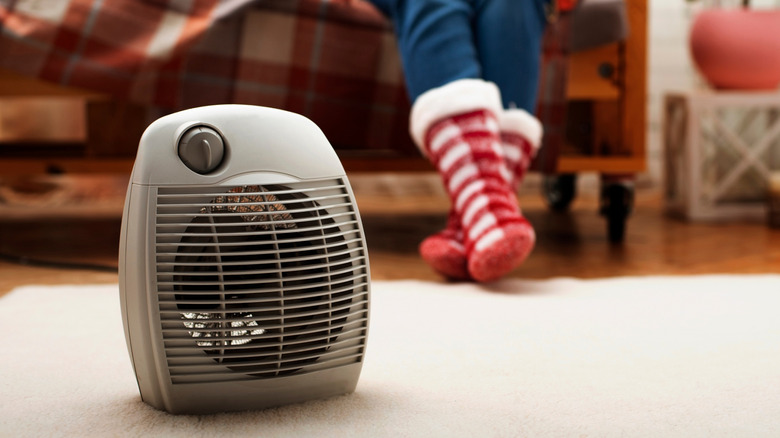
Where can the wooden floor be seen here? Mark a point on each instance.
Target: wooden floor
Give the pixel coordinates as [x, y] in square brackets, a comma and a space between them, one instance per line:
[572, 244]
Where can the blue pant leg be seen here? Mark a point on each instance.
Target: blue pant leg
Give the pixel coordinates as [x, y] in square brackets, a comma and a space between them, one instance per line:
[445, 40]
[508, 37]
[435, 39]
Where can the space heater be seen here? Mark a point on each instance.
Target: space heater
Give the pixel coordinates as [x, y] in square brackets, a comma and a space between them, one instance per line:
[243, 269]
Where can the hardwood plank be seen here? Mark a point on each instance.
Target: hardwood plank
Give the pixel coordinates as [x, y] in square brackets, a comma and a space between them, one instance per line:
[38, 166]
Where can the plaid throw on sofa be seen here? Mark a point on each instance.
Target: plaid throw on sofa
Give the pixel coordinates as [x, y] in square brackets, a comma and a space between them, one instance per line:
[335, 64]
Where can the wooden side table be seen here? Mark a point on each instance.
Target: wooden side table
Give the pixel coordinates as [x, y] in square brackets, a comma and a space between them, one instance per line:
[720, 148]
[606, 126]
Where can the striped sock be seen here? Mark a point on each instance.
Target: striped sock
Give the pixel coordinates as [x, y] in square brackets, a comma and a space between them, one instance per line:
[444, 251]
[520, 139]
[466, 150]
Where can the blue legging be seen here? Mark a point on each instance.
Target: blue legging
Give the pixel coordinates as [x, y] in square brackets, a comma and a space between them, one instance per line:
[445, 40]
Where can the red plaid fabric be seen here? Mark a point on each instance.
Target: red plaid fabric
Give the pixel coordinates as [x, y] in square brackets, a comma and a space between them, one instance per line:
[336, 64]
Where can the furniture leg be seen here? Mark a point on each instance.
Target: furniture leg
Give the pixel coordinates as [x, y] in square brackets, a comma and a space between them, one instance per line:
[616, 203]
[559, 190]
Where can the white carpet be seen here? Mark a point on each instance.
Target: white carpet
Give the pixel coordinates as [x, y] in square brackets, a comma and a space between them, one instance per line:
[656, 357]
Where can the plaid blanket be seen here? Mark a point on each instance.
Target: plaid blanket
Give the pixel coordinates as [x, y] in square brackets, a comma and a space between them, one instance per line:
[336, 64]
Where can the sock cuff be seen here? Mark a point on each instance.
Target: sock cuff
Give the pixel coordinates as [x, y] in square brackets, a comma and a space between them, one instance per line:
[520, 122]
[457, 97]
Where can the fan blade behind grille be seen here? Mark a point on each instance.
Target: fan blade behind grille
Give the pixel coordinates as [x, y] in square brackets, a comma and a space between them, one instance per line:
[262, 279]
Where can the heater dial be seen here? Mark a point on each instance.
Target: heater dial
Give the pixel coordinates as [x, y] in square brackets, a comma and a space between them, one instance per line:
[201, 149]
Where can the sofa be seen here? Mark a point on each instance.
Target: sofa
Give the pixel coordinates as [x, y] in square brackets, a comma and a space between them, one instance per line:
[333, 63]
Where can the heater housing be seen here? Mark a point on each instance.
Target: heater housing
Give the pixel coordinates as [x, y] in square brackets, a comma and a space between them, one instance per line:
[243, 270]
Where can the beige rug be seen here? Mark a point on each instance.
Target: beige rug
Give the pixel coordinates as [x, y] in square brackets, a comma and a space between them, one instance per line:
[655, 357]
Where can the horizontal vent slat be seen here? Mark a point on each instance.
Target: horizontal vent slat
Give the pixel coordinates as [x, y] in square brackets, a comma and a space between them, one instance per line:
[186, 342]
[260, 305]
[243, 243]
[268, 362]
[232, 376]
[321, 287]
[271, 366]
[318, 256]
[296, 346]
[258, 281]
[291, 212]
[321, 268]
[268, 252]
[329, 226]
[270, 290]
[237, 223]
[185, 369]
[294, 268]
[171, 333]
[317, 312]
[289, 314]
[285, 201]
[287, 308]
[165, 193]
[166, 298]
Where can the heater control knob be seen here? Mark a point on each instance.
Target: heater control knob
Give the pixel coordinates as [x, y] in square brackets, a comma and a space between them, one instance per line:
[201, 149]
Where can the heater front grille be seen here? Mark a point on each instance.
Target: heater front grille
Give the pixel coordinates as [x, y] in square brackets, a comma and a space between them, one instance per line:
[257, 282]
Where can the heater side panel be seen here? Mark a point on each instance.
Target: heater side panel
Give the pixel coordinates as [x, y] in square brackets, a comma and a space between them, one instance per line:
[137, 295]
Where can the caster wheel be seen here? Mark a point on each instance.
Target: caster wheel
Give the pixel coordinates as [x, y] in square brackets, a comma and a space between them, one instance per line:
[617, 200]
[559, 190]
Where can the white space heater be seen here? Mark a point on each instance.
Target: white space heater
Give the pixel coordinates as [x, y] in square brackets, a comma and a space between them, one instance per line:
[243, 269]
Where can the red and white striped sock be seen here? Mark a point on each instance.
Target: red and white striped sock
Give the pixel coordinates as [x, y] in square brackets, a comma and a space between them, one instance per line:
[520, 139]
[457, 127]
[521, 136]
[444, 251]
